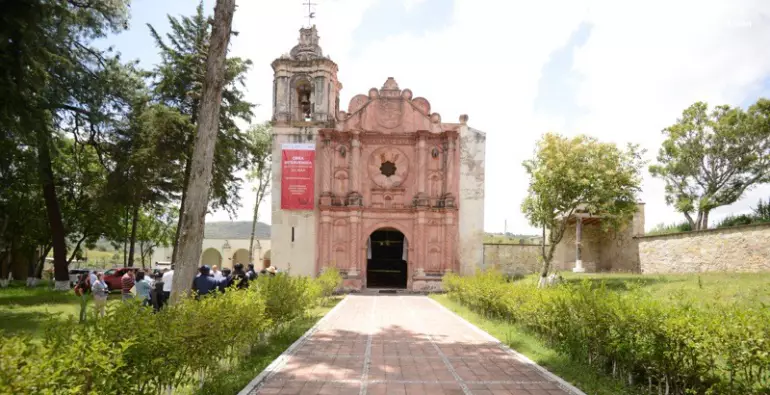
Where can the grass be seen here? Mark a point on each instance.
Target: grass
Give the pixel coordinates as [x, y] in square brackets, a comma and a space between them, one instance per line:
[231, 379]
[706, 288]
[582, 376]
[29, 310]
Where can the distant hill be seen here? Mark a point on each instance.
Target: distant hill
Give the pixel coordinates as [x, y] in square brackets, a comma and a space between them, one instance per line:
[509, 238]
[235, 230]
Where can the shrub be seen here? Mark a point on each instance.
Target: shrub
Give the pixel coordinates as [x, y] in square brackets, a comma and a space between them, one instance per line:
[329, 281]
[670, 347]
[135, 351]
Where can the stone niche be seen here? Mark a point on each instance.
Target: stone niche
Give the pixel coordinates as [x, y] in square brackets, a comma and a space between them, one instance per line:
[389, 163]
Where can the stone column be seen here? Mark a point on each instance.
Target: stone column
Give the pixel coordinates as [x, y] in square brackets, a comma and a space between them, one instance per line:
[450, 234]
[420, 240]
[326, 175]
[422, 167]
[355, 162]
[578, 244]
[355, 243]
[450, 165]
[326, 232]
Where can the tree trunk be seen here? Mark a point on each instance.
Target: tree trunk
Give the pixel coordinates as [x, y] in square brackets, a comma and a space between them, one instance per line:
[141, 253]
[125, 239]
[132, 238]
[55, 223]
[705, 221]
[253, 230]
[191, 233]
[185, 183]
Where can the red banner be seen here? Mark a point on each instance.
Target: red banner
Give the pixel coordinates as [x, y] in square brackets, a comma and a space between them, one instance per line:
[297, 176]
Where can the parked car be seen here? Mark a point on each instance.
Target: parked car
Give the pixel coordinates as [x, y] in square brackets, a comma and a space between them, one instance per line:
[112, 277]
[75, 274]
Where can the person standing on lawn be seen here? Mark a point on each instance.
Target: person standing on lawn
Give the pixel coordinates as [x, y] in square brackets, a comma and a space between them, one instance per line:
[168, 278]
[127, 282]
[157, 292]
[100, 291]
[143, 288]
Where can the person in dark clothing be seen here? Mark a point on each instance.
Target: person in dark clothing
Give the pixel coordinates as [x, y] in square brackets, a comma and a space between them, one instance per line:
[251, 273]
[205, 283]
[156, 294]
[240, 277]
[227, 279]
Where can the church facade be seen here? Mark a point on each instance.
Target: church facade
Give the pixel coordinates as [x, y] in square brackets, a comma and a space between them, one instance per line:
[384, 190]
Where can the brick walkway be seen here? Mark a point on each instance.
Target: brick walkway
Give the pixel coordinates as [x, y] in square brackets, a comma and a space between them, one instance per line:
[401, 345]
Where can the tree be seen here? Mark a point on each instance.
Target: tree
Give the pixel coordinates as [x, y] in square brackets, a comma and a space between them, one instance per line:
[567, 174]
[155, 228]
[178, 82]
[710, 158]
[260, 173]
[54, 79]
[190, 241]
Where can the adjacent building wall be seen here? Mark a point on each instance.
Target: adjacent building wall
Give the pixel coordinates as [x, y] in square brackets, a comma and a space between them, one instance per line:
[735, 249]
[471, 199]
[298, 255]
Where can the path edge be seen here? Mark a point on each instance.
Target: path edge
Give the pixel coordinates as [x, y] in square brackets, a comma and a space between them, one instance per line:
[278, 363]
[566, 385]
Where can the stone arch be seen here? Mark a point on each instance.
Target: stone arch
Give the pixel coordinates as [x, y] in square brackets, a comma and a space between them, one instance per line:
[211, 257]
[386, 266]
[240, 255]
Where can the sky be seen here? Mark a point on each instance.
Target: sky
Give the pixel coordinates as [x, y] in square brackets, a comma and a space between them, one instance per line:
[618, 70]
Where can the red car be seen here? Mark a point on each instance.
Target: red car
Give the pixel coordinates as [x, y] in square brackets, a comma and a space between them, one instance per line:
[112, 277]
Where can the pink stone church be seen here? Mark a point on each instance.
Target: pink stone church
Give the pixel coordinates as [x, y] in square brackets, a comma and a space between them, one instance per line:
[394, 196]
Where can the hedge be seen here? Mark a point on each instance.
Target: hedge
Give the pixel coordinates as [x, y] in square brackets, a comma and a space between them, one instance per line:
[135, 351]
[653, 345]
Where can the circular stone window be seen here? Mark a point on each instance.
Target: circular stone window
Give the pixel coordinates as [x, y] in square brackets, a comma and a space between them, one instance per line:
[388, 168]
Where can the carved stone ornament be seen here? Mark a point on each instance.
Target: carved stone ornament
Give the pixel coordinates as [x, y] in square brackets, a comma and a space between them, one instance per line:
[434, 153]
[390, 112]
[388, 167]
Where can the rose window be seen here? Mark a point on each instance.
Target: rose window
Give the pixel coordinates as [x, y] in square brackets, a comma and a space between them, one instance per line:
[388, 168]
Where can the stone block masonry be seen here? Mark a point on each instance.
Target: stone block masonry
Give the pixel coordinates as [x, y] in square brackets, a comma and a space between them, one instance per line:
[736, 249]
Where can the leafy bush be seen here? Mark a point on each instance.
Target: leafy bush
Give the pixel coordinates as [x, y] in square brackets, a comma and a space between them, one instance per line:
[669, 347]
[329, 281]
[135, 351]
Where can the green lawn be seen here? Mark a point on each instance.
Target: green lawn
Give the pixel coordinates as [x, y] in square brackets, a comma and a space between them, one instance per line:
[741, 288]
[28, 310]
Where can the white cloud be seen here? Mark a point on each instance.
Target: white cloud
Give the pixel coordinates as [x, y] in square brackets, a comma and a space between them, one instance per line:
[640, 67]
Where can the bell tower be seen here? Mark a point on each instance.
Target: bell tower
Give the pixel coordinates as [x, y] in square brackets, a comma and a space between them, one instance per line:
[305, 101]
[305, 85]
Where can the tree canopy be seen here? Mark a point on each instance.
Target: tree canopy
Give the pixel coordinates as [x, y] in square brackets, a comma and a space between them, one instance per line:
[710, 158]
[567, 174]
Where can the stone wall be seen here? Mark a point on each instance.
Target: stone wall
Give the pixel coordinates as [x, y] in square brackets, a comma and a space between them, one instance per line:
[736, 249]
[512, 258]
[612, 250]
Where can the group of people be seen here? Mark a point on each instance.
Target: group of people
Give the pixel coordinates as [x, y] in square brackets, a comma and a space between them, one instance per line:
[210, 279]
[154, 288]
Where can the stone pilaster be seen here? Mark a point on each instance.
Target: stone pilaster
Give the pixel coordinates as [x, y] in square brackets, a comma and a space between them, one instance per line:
[420, 244]
[450, 177]
[325, 239]
[326, 170]
[355, 243]
[354, 197]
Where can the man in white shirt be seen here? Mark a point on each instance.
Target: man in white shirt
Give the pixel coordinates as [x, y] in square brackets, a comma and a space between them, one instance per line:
[216, 273]
[168, 277]
[92, 277]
